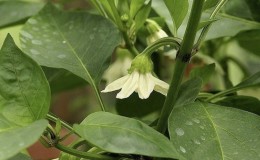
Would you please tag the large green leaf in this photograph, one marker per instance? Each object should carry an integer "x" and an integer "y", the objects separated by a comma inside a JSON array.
[
  {"x": 24, "y": 99},
  {"x": 14, "y": 11},
  {"x": 178, "y": 10},
  {"x": 119, "y": 134},
  {"x": 20, "y": 156},
  {"x": 23, "y": 86},
  {"x": 135, "y": 6},
  {"x": 207, "y": 131},
  {"x": 76, "y": 41}
]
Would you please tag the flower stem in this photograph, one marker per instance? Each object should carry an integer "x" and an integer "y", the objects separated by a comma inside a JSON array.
[
  {"x": 55, "y": 119},
  {"x": 181, "y": 63}
]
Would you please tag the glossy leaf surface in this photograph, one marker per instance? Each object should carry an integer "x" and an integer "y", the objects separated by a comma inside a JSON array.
[
  {"x": 119, "y": 134},
  {"x": 76, "y": 41},
  {"x": 215, "y": 132},
  {"x": 14, "y": 11}
]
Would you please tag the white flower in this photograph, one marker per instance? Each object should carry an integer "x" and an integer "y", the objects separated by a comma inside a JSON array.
[
  {"x": 142, "y": 83},
  {"x": 117, "y": 69},
  {"x": 155, "y": 36}
]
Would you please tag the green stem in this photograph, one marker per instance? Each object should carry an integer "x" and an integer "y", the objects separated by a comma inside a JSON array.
[
  {"x": 116, "y": 14},
  {"x": 162, "y": 42},
  {"x": 212, "y": 16},
  {"x": 221, "y": 94},
  {"x": 129, "y": 45},
  {"x": 186, "y": 49},
  {"x": 82, "y": 154},
  {"x": 54, "y": 119}
]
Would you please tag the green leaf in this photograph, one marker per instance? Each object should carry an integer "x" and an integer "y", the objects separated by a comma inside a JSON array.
[
  {"x": 61, "y": 79},
  {"x": 246, "y": 103},
  {"x": 23, "y": 86},
  {"x": 119, "y": 134},
  {"x": 226, "y": 25},
  {"x": 178, "y": 10},
  {"x": 142, "y": 15},
  {"x": 20, "y": 156},
  {"x": 136, "y": 107},
  {"x": 14, "y": 11},
  {"x": 76, "y": 41},
  {"x": 209, "y": 4},
  {"x": 215, "y": 132},
  {"x": 251, "y": 81},
  {"x": 203, "y": 24},
  {"x": 204, "y": 72},
  {"x": 135, "y": 6},
  {"x": 250, "y": 40},
  {"x": 15, "y": 138},
  {"x": 189, "y": 91}
]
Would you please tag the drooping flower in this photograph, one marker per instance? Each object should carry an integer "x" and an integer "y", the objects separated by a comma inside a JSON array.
[
  {"x": 117, "y": 69},
  {"x": 140, "y": 79},
  {"x": 155, "y": 31}
]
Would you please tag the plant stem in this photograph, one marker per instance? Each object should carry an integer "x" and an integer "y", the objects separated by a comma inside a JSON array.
[
  {"x": 129, "y": 45},
  {"x": 185, "y": 50},
  {"x": 82, "y": 154},
  {"x": 54, "y": 119},
  {"x": 212, "y": 16}
]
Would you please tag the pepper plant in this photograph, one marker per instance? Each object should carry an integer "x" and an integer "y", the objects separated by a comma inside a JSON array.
[{"x": 178, "y": 96}]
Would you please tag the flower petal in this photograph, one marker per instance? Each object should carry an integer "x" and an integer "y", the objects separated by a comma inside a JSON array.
[
  {"x": 145, "y": 86},
  {"x": 117, "y": 84},
  {"x": 160, "y": 86},
  {"x": 130, "y": 86}
]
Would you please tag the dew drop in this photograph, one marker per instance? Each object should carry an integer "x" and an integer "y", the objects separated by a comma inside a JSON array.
[
  {"x": 21, "y": 144},
  {"x": 61, "y": 56},
  {"x": 196, "y": 120},
  {"x": 197, "y": 141},
  {"x": 32, "y": 21},
  {"x": 235, "y": 153},
  {"x": 37, "y": 42},
  {"x": 55, "y": 33},
  {"x": 35, "y": 52},
  {"x": 202, "y": 138},
  {"x": 179, "y": 131},
  {"x": 189, "y": 123},
  {"x": 91, "y": 37},
  {"x": 202, "y": 127},
  {"x": 64, "y": 42},
  {"x": 35, "y": 28},
  {"x": 183, "y": 150},
  {"x": 26, "y": 34}
]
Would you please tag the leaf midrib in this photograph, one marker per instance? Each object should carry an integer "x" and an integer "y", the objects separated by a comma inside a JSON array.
[
  {"x": 217, "y": 136},
  {"x": 88, "y": 76}
]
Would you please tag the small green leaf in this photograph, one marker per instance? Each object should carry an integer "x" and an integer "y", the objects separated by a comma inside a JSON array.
[
  {"x": 189, "y": 91},
  {"x": 250, "y": 40},
  {"x": 23, "y": 86},
  {"x": 178, "y": 10},
  {"x": 119, "y": 134},
  {"x": 209, "y": 4},
  {"x": 142, "y": 15},
  {"x": 14, "y": 11},
  {"x": 135, "y": 6},
  {"x": 250, "y": 104},
  {"x": 214, "y": 132},
  {"x": 203, "y": 72}
]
